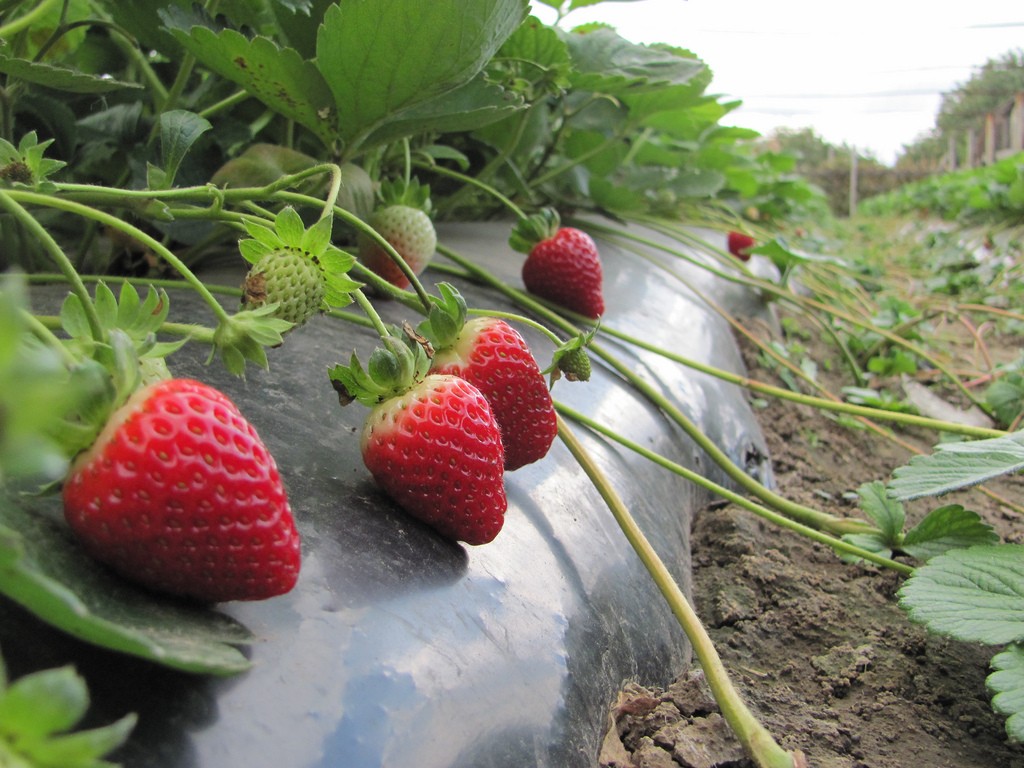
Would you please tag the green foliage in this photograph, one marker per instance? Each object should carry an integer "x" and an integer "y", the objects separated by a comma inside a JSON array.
[
  {"x": 974, "y": 594},
  {"x": 957, "y": 465},
  {"x": 944, "y": 528},
  {"x": 37, "y": 715},
  {"x": 991, "y": 193},
  {"x": 977, "y": 595},
  {"x": 46, "y": 572}
]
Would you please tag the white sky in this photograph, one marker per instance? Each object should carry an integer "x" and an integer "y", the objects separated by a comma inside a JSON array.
[{"x": 869, "y": 74}]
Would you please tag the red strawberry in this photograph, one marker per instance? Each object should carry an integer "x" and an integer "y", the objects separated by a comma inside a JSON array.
[
  {"x": 491, "y": 355},
  {"x": 738, "y": 245},
  {"x": 562, "y": 264},
  {"x": 436, "y": 450},
  {"x": 430, "y": 441},
  {"x": 179, "y": 494},
  {"x": 404, "y": 222}
]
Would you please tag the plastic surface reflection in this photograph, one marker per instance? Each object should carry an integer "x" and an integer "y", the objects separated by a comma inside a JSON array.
[{"x": 399, "y": 648}]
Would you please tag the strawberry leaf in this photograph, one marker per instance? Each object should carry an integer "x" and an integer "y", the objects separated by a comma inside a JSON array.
[
  {"x": 179, "y": 130},
  {"x": 378, "y": 65},
  {"x": 974, "y": 594},
  {"x": 61, "y": 78},
  {"x": 958, "y": 465},
  {"x": 279, "y": 77},
  {"x": 1007, "y": 683},
  {"x": 43, "y": 570},
  {"x": 948, "y": 527},
  {"x": 887, "y": 513},
  {"x": 605, "y": 62}
]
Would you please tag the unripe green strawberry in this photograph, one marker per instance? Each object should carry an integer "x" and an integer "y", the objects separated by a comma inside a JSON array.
[
  {"x": 178, "y": 493},
  {"x": 289, "y": 279},
  {"x": 436, "y": 449},
  {"x": 409, "y": 231}
]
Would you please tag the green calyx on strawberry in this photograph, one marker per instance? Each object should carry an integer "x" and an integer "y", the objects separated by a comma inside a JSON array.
[
  {"x": 562, "y": 263},
  {"x": 430, "y": 441},
  {"x": 295, "y": 269},
  {"x": 402, "y": 220},
  {"x": 121, "y": 355},
  {"x": 179, "y": 494},
  {"x": 490, "y": 354}
]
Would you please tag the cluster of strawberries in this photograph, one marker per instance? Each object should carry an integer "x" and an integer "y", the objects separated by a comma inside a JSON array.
[{"x": 178, "y": 492}]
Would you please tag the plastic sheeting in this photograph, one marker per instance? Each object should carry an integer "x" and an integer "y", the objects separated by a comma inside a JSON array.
[{"x": 399, "y": 648}]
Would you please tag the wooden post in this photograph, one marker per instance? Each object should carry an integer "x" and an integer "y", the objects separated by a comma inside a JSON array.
[
  {"x": 853, "y": 181},
  {"x": 1017, "y": 123},
  {"x": 990, "y": 139}
]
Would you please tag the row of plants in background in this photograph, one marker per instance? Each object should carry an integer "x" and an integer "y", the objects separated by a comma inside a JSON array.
[
  {"x": 316, "y": 143},
  {"x": 990, "y": 194}
]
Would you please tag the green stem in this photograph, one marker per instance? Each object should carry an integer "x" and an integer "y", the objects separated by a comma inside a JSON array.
[
  {"x": 803, "y": 302},
  {"x": 806, "y": 515},
  {"x": 371, "y": 313},
  {"x": 507, "y": 202},
  {"x": 833, "y": 542},
  {"x": 852, "y": 409},
  {"x": 9, "y": 202},
  {"x": 115, "y": 223},
  {"x": 755, "y": 738},
  {"x": 226, "y": 103},
  {"x": 24, "y": 22},
  {"x": 516, "y": 318}
]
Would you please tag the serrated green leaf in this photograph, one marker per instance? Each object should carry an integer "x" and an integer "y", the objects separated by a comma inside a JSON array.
[
  {"x": 1007, "y": 683},
  {"x": 47, "y": 573},
  {"x": 43, "y": 703},
  {"x": 948, "y": 527},
  {"x": 279, "y": 77},
  {"x": 887, "y": 513},
  {"x": 606, "y": 62},
  {"x": 378, "y": 65},
  {"x": 475, "y": 105},
  {"x": 958, "y": 465},
  {"x": 974, "y": 594},
  {"x": 179, "y": 130},
  {"x": 61, "y": 78},
  {"x": 1005, "y": 396},
  {"x": 542, "y": 46}
]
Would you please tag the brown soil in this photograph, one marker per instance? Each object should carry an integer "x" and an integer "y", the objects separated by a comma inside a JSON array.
[{"x": 819, "y": 648}]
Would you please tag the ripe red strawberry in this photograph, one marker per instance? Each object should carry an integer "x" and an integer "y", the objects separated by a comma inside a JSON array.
[
  {"x": 436, "y": 450},
  {"x": 179, "y": 494},
  {"x": 738, "y": 245},
  {"x": 492, "y": 356},
  {"x": 430, "y": 441},
  {"x": 562, "y": 264},
  {"x": 403, "y": 221}
]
